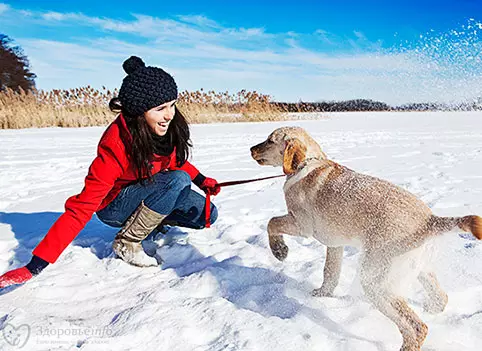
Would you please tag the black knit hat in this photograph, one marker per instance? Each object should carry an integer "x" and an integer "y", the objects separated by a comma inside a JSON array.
[{"x": 145, "y": 87}]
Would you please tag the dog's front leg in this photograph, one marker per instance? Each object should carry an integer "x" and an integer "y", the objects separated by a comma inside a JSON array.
[
  {"x": 331, "y": 273},
  {"x": 278, "y": 226}
]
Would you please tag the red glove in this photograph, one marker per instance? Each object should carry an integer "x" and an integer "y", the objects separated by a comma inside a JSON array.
[
  {"x": 210, "y": 186},
  {"x": 17, "y": 276}
]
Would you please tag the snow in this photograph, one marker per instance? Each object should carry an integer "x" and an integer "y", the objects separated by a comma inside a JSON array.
[{"x": 221, "y": 288}]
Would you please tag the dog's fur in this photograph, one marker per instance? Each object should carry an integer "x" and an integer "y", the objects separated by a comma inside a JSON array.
[{"x": 339, "y": 207}]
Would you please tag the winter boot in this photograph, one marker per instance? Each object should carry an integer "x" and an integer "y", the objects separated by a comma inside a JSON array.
[{"x": 127, "y": 243}]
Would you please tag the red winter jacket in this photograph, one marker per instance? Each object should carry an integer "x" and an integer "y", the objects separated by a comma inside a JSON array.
[{"x": 108, "y": 174}]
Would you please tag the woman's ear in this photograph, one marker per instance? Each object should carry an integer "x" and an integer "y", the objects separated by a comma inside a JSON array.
[{"x": 294, "y": 155}]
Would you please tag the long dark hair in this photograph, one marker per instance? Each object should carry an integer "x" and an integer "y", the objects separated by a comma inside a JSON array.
[{"x": 141, "y": 149}]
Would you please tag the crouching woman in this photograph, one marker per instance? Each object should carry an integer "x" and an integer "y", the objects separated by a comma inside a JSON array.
[{"x": 140, "y": 179}]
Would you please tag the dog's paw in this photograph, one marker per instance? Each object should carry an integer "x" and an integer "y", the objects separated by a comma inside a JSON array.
[
  {"x": 279, "y": 250},
  {"x": 321, "y": 292}
]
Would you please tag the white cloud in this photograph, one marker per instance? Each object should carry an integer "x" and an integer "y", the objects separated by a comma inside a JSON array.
[
  {"x": 288, "y": 76},
  {"x": 325, "y": 37},
  {"x": 26, "y": 13},
  {"x": 359, "y": 35},
  {"x": 56, "y": 16},
  {"x": 3, "y": 7},
  {"x": 199, "y": 20}
]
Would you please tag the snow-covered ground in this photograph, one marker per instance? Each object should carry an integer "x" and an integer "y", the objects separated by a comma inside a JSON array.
[{"x": 221, "y": 289}]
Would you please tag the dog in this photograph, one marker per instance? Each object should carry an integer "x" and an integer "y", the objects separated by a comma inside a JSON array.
[{"x": 339, "y": 207}]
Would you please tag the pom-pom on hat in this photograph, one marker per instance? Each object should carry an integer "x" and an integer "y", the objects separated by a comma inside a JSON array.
[{"x": 145, "y": 87}]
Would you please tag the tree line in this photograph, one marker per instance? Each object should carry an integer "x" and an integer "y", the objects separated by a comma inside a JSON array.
[{"x": 371, "y": 105}]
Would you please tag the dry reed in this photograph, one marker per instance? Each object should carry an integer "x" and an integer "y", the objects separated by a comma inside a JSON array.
[{"x": 86, "y": 106}]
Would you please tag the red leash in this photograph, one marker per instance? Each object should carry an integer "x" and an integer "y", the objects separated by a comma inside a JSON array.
[{"x": 234, "y": 182}]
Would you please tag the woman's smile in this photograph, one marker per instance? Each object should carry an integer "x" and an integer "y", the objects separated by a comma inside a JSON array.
[{"x": 163, "y": 125}]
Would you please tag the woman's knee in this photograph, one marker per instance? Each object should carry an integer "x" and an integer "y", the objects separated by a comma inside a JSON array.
[
  {"x": 179, "y": 179},
  {"x": 171, "y": 180}
]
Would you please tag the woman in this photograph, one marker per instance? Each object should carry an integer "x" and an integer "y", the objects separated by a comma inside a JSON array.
[{"x": 140, "y": 179}]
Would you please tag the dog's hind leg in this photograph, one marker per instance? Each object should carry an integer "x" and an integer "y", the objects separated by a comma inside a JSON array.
[
  {"x": 374, "y": 273},
  {"x": 437, "y": 298},
  {"x": 278, "y": 226},
  {"x": 331, "y": 272}
]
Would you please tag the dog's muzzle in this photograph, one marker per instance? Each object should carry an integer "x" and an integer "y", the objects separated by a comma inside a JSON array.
[{"x": 255, "y": 154}]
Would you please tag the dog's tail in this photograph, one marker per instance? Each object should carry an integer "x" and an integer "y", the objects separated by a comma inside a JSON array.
[{"x": 471, "y": 224}]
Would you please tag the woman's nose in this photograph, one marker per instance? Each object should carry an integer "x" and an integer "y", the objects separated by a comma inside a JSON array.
[{"x": 169, "y": 115}]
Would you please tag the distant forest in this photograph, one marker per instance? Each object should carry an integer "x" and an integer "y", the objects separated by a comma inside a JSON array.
[{"x": 371, "y": 105}]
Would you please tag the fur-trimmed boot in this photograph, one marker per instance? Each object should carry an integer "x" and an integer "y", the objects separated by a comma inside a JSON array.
[{"x": 127, "y": 243}]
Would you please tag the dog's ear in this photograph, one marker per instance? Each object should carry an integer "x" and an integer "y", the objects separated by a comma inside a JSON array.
[{"x": 294, "y": 155}]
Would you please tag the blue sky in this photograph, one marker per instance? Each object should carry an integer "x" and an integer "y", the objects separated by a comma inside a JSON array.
[{"x": 395, "y": 51}]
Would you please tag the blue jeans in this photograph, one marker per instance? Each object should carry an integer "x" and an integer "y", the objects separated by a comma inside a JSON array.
[{"x": 170, "y": 194}]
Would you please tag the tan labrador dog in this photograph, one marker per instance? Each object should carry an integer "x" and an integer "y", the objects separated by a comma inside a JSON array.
[{"x": 338, "y": 207}]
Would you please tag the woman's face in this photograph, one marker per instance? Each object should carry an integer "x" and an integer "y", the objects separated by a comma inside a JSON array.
[{"x": 159, "y": 117}]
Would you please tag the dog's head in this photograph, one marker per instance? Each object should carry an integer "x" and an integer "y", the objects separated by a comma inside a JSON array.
[{"x": 287, "y": 147}]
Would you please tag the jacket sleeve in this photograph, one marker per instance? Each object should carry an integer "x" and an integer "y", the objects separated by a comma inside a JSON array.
[{"x": 103, "y": 172}]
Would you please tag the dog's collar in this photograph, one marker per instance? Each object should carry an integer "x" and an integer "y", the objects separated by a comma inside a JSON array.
[
  {"x": 304, "y": 168},
  {"x": 306, "y": 161},
  {"x": 303, "y": 165}
]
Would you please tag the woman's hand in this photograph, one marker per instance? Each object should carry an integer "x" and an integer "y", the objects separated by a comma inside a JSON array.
[
  {"x": 210, "y": 186},
  {"x": 16, "y": 276}
]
